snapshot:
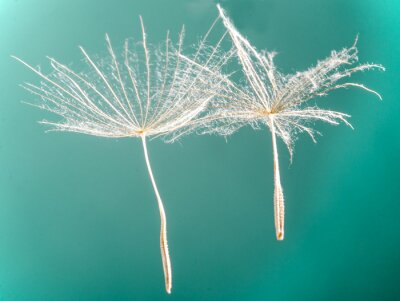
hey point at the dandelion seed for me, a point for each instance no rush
(277, 101)
(142, 92)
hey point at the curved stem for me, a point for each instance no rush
(279, 206)
(163, 233)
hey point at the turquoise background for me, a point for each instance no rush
(78, 216)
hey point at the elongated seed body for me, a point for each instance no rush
(279, 206)
(166, 261)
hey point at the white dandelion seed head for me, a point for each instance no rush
(141, 90)
(266, 94)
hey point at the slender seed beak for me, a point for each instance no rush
(166, 261)
(279, 205)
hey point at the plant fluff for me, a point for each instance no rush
(140, 92)
(268, 98)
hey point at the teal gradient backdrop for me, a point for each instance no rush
(78, 217)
